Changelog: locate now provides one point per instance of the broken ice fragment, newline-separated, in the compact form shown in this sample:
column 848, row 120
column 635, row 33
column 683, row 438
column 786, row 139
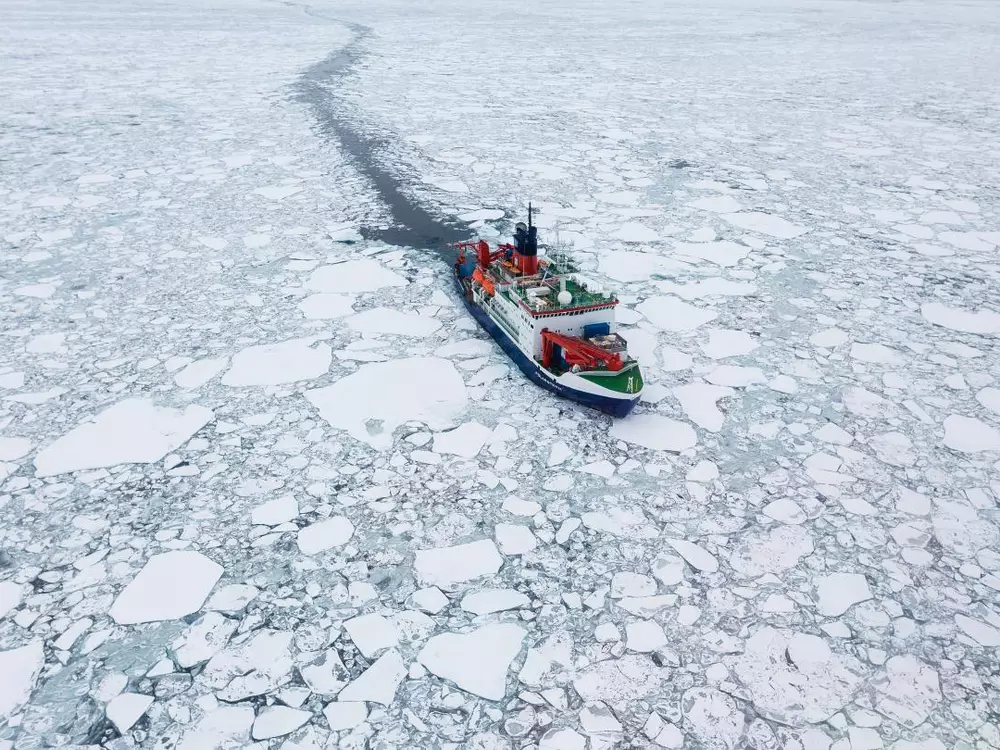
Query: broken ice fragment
column 493, row 600
column 277, row 721
column 134, row 431
column 126, row 709
column 171, row 585
column 838, row 592
column 696, row 557
column 445, row 566
column 476, row 662
column 20, row 668
column 378, row 683
column 324, row 535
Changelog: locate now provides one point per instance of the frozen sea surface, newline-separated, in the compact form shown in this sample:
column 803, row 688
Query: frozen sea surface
column 263, row 483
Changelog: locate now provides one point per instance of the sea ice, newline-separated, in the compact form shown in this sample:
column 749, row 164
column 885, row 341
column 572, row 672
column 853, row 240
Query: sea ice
column 514, row 539
column 722, row 253
column 977, row 630
column 981, row 321
column 445, row 566
column 398, row 322
column 20, row 668
column 838, row 592
column 724, row 343
column 276, row 364
column 672, row 314
column 695, row 556
column 466, row 440
column 876, row 354
column 655, row 432
column 990, row 398
column 795, row 677
column 734, row 376
column 125, row 709
column 908, row 690
column 134, row 431
column 353, row 276
column 371, row 633
column 323, row 535
column 430, row 599
column 11, row 449
column 274, row 512
column 421, row 389
column 722, row 204
column 562, row 739
column 769, row 224
column 629, row 265
column 200, row 372
column 644, row 636
column 277, row 721
column 221, row 728
column 487, row 601
column 829, row 338
column 10, row 596
column 476, row 662
column 341, row 715
column 773, row 551
column 712, row 719
column 327, row 306
column 636, row 232
column 969, row 435
column 700, row 403
column 170, row 585
column 598, row 721
column 378, row 683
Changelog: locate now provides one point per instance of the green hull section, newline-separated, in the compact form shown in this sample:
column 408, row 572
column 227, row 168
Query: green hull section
column 628, row 380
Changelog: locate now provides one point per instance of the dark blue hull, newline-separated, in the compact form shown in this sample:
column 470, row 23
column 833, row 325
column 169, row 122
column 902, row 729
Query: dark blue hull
column 616, row 407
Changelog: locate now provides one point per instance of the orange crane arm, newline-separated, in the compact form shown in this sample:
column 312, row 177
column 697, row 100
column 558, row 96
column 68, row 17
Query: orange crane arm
column 577, row 351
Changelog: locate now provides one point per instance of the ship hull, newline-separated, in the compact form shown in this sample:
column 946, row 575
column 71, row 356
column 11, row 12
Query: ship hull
column 616, row 407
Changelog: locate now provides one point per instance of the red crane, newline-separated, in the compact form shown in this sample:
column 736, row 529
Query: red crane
column 577, row 351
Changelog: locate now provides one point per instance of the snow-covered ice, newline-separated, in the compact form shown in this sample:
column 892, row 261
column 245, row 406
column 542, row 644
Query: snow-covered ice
column 131, row 431
column 275, row 364
column 20, row 668
column 170, row 585
column 655, row 432
column 125, row 709
column 445, row 566
column 425, row 389
column 326, row 534
column 353, row 276
column 477, row 661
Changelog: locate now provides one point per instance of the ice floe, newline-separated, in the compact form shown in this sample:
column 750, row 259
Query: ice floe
column 424, row 389
column 323, row 535
column 378, row 683
column 276, row 364
column 477, row 661
column 386, row 320
column 970, row 435
column 981, row 321
column 327, row 306
column 768, row 224
column 125, row 709
column 672, row 314
column 655, row 432
column 353, row 276
column 445, row 566
column 20, row 668
column 170, row 585
column 134, row 431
